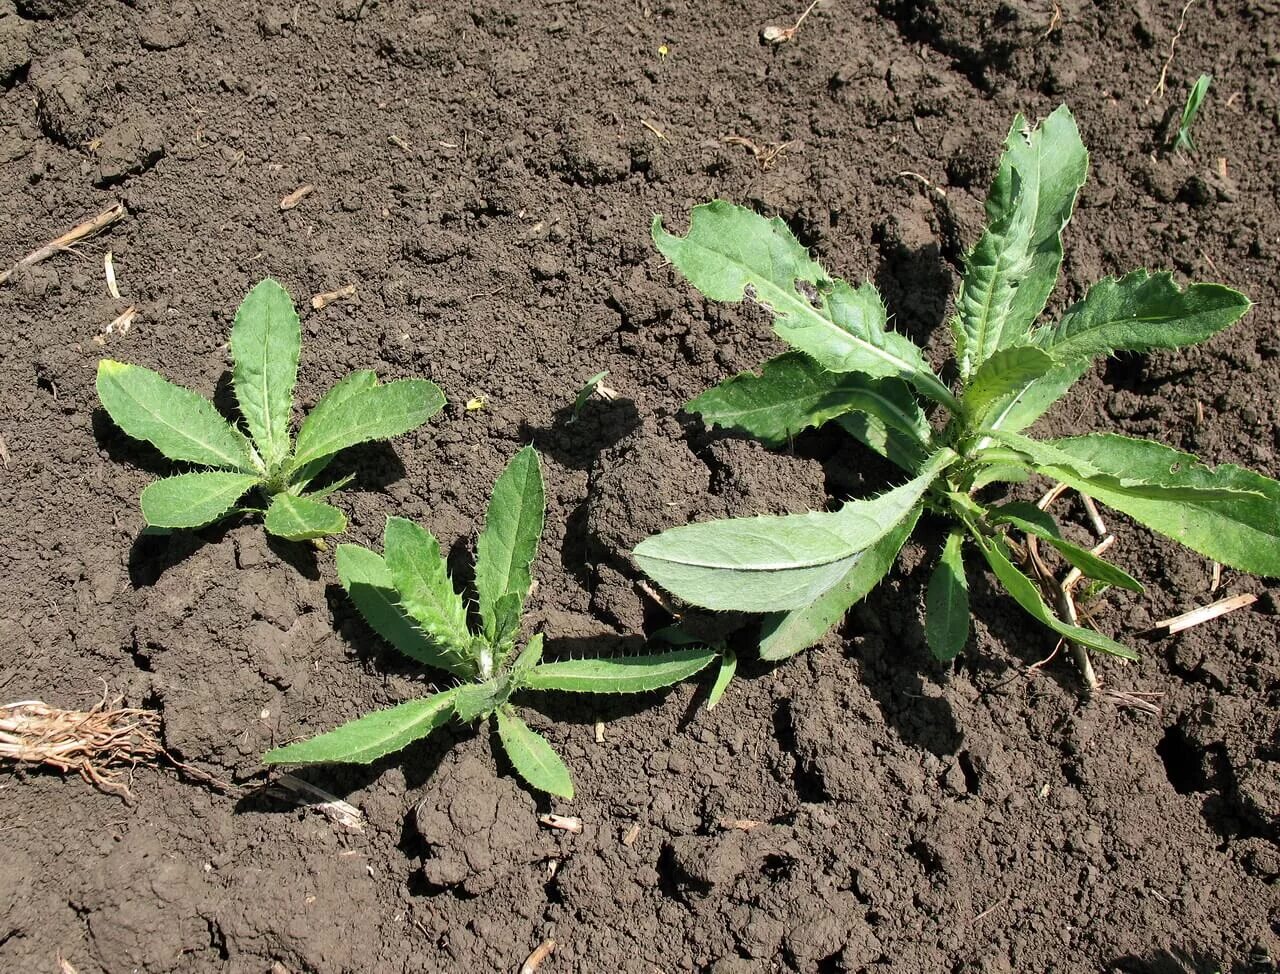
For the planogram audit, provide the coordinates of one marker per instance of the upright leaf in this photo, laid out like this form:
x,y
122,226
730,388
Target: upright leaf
x,y
265,343
532,756
1018,409
376,413
176,421
1012,269
1007,372
508,543
620,674
323,414
731,253
421,577
301,518
946,616
192,500
724,676
372,736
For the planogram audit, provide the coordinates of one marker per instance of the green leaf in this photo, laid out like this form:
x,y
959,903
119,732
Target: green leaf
x,y
785,634
324,414
265,343
421,577
532,756
887,419
767,564
1189,112
1027,595
1012,269
947,601
1140,312
476,700
300,518
1006,373
377,413
508,543
372,736
176,421
585,392
1029,519
724,676
192,500
1226,513
1020,408
620,674
731,253
1000,473
529,657
364,575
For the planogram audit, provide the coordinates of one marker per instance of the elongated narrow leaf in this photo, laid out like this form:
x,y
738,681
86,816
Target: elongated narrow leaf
x,y
192,500
731,253
884,421
323,414
1029,519
364,575
1005,373
421,577
265,343
377,413
620,674
529,657
946,613
1139,312
768,564
532,756
1026,594
1012,269
508,544
786,633
176,421
1226,513
372,736
724,676
1018,409
301,518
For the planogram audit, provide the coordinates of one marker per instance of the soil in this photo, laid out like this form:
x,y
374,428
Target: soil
x,y
485,174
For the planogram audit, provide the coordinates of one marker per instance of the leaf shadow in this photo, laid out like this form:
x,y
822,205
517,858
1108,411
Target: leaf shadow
x,y
154,552
575,442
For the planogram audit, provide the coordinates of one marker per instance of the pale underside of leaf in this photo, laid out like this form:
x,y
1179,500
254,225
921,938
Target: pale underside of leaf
x,y
532,756
372,736
266,341
619,674
192,500
506,547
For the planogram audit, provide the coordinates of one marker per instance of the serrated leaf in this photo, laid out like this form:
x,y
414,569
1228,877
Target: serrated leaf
x,y
529,657
508,544
1030,519
1012,269
475,700
266,341
724,676
364,575
192,500
946,619
785,634
421,578
767,564
323,414
176,421
301,518
731,253
372,736
620,674
532,756
1017,410
376,413
1140,312
1005,373
1226,513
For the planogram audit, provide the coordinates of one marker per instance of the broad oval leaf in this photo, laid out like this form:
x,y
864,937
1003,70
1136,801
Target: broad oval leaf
x,y
324,412
301,518
532,756
376,413
619,674
508,544
192,500
421,578
372,736
266,341
176,421
946,619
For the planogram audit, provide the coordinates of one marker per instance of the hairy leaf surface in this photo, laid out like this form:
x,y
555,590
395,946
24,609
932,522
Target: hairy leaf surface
x,y
1007,372
947,601
376,413
532,756
192,500
508,543
372,736
421,577
301,518
620,674
324,412
266,341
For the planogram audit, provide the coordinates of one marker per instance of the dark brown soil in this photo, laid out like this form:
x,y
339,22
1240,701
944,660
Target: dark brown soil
x,y
485,174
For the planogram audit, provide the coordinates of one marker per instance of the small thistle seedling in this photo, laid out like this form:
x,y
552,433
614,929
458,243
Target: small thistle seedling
x,y
1189,112
266,342
585,393
406,596
849,367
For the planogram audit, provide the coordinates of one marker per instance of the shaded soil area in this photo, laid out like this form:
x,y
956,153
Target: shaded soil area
x,y
485,174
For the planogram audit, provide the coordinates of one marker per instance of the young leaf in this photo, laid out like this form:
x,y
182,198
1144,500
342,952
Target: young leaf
x,y
529,657
724,676
947,601
619,674
785,634
585,392
301,518
1140,312
265,343
1189,112
372,736
1013,267
364,575
1007,372
766,564
532,756
1226,513
323,414
192,500
885,419
176,421
376,413
1018,409
476,700
1029,519
421,577
508,543
731,253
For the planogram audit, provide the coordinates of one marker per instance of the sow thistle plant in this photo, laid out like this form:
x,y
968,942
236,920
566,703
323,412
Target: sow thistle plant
x,y
849,368
266,342
407,597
